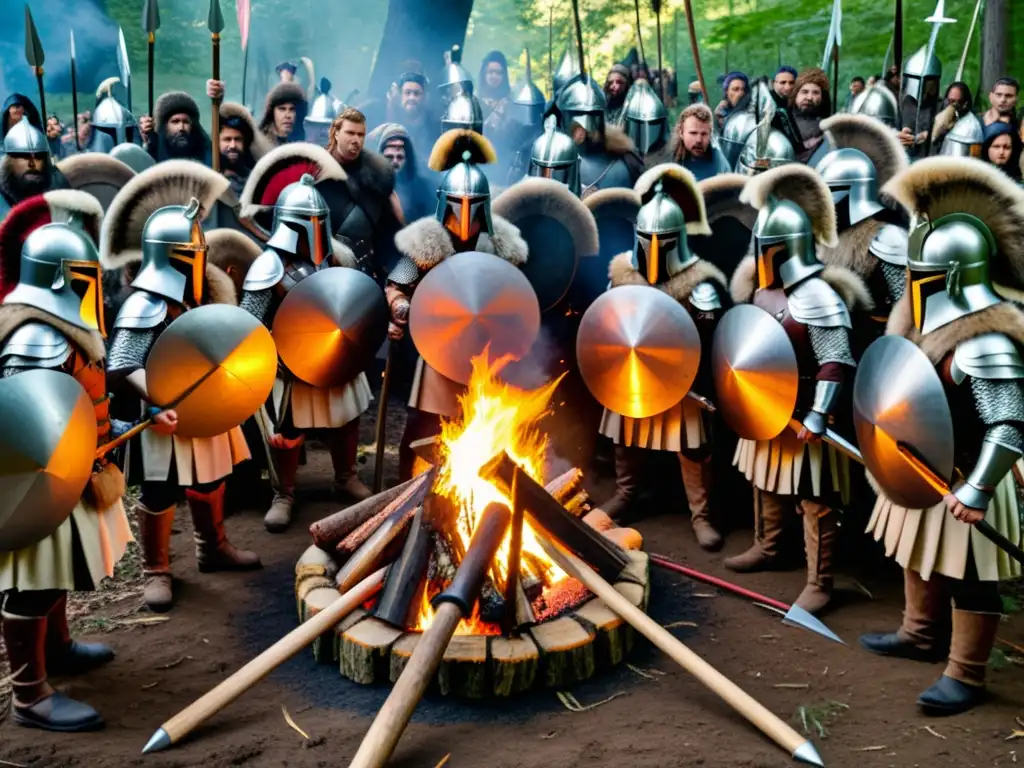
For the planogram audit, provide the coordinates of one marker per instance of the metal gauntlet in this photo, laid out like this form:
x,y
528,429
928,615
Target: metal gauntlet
x,y
994,461
826,394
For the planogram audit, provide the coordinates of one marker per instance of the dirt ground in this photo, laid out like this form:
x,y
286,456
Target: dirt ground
x,y
859,708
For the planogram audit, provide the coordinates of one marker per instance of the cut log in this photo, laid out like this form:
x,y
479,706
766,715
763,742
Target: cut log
x,y
579,504
401,652
566,485
314,570
325,647
383,546
364,653
328,532
427,449
567,651
408,499
614,636
463,670
515,662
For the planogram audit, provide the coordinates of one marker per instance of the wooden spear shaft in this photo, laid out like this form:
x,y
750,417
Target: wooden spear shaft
x,y
691,25
215,122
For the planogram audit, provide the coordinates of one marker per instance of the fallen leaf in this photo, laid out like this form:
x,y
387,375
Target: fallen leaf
x,y
871,749
933,732
292,723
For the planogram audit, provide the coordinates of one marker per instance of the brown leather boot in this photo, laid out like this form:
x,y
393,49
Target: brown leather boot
x,y
66,657
622,506
697,482
155,530
821,526
213,550
769,520
36,704
962,685
344,448
286,461
924,633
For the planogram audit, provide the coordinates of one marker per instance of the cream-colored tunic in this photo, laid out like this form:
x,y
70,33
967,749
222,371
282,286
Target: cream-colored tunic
x,y
198,459
434,392
777,465
315,408
679,428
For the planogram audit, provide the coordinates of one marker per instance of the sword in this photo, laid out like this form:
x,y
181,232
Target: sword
x,y
124,67
150,24
215,23
967,45
35,57
74,90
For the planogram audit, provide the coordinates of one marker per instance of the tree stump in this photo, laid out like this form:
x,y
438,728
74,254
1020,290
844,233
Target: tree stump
x,y
364,653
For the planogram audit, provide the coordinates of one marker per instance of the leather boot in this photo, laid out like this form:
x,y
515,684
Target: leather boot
x,y
66,657
286,461
821,526
769,520
962,685
697,482
344,447
213,550
924,633
36,704
155,530
622,506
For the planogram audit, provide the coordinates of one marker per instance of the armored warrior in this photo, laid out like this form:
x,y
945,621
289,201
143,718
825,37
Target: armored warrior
x,y
456,80
301,245
462,222
26,169
765,148
872,236
919,101
568,68
169,245
111,122
879,103
554,156
794,473
967,232
672,208
463,112
526,110
645,121
965,138
51,318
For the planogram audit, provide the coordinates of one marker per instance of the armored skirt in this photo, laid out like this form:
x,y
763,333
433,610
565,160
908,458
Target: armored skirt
x,y
314,408
933,541
788,466
77,556
682,427
197,459
434,392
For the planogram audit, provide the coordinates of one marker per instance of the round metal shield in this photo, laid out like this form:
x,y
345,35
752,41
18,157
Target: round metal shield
x,y
330,326
898,398
469,302
215,365
755,371
638,350
553,259
134,156
47,449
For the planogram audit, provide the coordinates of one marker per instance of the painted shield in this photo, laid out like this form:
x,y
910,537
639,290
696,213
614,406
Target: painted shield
x,y
899,402
470,302
215,365
47,449
638,350
755,371
330,326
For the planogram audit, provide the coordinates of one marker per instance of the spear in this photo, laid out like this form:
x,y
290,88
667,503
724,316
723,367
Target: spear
x,y
691,25
897,40
150,24
215,23
656,7
74,89
967,44
124,67
639,35
35,57
243,10
579,33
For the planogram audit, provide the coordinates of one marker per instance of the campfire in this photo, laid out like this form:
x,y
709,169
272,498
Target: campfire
x,y
532,625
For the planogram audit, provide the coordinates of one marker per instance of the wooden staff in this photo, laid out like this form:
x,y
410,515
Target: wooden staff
x,y
452,605
692,29
770,724
183,723
215,23
382,422
150,24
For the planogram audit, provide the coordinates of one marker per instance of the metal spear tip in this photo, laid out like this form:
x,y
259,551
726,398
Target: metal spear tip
x,y
215,21
797,616
939,16
806,753
158,742
151,16
34,54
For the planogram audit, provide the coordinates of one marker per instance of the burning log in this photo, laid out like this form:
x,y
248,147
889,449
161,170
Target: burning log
x,y
376,549
409,499
405,579
328,532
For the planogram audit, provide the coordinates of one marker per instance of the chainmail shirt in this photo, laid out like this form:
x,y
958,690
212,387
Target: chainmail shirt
x,y
895,279
831,345
257,304
129,349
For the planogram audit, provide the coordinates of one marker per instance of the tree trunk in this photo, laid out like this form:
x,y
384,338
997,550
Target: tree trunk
x,y
419,31
994,34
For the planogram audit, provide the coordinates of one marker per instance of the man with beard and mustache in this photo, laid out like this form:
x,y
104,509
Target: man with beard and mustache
x,y
174,132
410,108
810,105
26,169
692,147
1003,98
616,86
416,194
241,145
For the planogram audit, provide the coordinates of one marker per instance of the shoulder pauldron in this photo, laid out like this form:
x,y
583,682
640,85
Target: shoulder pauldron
x,y
36,345
141,310
815,302
989,356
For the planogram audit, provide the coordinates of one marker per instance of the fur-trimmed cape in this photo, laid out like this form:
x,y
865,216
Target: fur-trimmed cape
x,y
427,242
846,282
852,251
13,316
622,272
536,196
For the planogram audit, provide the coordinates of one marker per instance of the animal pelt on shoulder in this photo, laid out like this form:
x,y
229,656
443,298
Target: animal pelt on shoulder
x,y
1004,318
427,242
13,316
372,173
845,282
852,249
220,288
622,272
342,255
618,143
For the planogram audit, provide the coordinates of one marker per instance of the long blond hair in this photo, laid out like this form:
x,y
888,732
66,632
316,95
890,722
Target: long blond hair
x,y
350,115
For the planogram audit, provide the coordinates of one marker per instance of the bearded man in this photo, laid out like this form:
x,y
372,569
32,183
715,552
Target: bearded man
x,y
26,169
692,143
616,86
810,104
241,145
416,194
174,132
409,108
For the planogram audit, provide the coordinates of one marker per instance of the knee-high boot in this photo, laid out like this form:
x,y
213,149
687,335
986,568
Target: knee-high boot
x,y
924,632
155,530
769,523
286,462
628,465
213,550
65,656
962,685
697,483
344,449
821,528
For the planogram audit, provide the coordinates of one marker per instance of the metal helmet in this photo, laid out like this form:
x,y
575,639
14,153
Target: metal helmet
x,y
463,111
554,156
302,223
568,68
60,274
784,245
456,79
762,99
112,118
646,119
322,112
737,129
948,262
852,178
877,102
25,139
764,149
965,138
528,102
582,102
921,75
464,204
174,254
661,249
